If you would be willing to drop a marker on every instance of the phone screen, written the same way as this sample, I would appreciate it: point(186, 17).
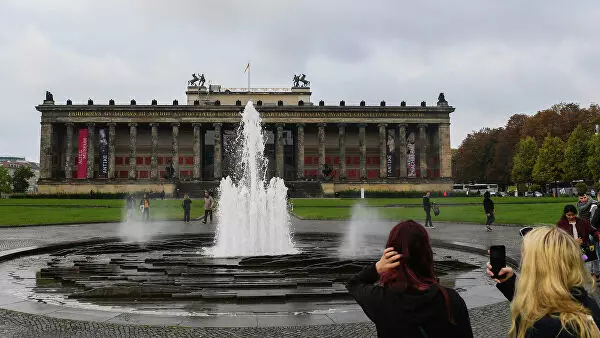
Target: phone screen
point(497, 258)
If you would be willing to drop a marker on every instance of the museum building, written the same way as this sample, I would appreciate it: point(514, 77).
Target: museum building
point(117, 147)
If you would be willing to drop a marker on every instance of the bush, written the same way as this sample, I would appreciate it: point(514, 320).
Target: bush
point(72, 196)
point(392, 194)
point(534, 187)
point(581, 187)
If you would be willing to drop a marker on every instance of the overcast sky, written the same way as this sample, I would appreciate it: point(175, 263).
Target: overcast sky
point(491, 58)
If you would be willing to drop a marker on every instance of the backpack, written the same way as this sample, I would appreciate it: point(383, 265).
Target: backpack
point(436, 210)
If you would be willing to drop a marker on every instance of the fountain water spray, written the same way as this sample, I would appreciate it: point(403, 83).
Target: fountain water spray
point(252, 216)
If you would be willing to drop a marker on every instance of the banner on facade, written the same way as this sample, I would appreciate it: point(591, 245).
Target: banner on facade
point(411, 156)
point(391, 153)
point(103, 170)
point(82, 154)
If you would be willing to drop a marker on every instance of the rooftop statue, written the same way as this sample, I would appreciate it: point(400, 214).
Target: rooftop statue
point(300, 81)
point(49, 96)
point(195, 79)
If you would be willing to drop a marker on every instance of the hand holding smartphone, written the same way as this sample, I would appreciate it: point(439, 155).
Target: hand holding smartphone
point(497, 259)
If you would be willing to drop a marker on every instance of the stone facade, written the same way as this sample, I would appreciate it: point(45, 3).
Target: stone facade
point(302, 138)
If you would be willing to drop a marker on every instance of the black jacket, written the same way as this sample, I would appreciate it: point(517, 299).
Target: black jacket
point(488, 205)
point(186, 204)
point(409, 314)
point(549, 326)
point(426, 203)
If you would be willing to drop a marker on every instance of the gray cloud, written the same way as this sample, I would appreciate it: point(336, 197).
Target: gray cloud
point(491, 58)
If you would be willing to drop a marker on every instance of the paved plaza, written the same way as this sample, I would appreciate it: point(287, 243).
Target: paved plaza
point(27, 319)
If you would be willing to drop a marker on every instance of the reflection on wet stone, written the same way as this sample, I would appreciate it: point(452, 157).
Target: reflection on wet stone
point(174, 273)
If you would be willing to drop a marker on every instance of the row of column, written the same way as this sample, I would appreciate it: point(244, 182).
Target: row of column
point(47, 132)
point(444, 149)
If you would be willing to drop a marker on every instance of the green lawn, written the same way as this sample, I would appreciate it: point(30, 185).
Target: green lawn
point(509, 212)
point(42, 211)
point(348, 202)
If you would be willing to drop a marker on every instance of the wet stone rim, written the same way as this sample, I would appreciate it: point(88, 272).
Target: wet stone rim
point(182, 274)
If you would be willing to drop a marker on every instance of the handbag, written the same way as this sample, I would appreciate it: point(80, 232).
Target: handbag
point(590, 252)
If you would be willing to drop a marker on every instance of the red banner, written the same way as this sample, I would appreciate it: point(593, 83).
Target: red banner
point(82, 154)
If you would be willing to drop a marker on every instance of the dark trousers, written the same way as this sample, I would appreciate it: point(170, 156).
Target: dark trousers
point(490, 219)
point(206, 214)
point(428, 217)
point(146, 214)
point(186, 215)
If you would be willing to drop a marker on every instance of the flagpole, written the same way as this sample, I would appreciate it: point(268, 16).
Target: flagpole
point(249, 70)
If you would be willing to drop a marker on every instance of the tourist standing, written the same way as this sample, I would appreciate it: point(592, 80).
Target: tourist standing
point(427, 208)
point(581, 230)
point(146, 208)
point(549, 299)
point(187, 206)
point(586, 206)
point(401, 294)
point(488, 207)
point(209, 202)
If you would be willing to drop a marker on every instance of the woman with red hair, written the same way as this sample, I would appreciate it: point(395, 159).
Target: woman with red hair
point(401, 294)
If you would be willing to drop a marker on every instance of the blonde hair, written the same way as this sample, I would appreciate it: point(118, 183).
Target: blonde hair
point(551, 266)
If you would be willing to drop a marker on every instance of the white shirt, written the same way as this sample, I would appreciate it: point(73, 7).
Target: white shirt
point(575, 234)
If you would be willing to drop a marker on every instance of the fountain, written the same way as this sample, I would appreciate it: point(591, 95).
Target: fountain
point(252, 215)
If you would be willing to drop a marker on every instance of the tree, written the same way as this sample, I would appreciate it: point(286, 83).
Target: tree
point(548, 165)
point(5, 181)
point(524, 160)
point(576, 153)
point(593, 161)
point(21, 179)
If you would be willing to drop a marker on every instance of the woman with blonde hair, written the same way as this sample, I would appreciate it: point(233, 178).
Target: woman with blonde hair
point(549, 298)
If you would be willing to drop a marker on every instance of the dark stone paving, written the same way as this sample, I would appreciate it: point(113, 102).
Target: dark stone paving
point(487, 321)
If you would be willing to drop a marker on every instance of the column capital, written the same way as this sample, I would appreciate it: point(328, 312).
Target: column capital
point(279, 125)
point(342, 125)
point(69, 124)
point(300, 125)
point(132, 124)
point(175, 124)
point(91, 124)
point(154, 124)
point(422, 125)
point(402, 125)
point(322, 125)
point(382, 125)
point(111, 124)
point(362, 125)
point(217, 124)
point(196, 124)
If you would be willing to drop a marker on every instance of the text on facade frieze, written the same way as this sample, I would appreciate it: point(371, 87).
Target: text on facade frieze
point(307, 115)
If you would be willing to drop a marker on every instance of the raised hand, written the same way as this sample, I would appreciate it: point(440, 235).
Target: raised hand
point(389, 260)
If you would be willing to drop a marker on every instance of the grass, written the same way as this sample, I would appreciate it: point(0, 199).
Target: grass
point(509, 210)
point(348, 202)
point(42, 211)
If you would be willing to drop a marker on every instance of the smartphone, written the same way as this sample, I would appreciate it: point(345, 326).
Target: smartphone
point(497, 258)
point(524, 231)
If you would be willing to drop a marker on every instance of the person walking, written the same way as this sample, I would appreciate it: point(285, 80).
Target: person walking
point(549, 299)
point(488, 207)
point(427, 208)
point(208, 206)
point(587, 207)
point(130, 206)
point(187, 206)
point(146, 208)
point(401, 294)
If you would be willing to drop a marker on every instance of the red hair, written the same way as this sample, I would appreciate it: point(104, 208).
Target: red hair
point(415, 271)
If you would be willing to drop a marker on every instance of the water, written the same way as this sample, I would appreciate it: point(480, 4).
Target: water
point(252, 215)
point(358, 240)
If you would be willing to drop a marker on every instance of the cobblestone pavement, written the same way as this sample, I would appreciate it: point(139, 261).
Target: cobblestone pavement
point(487, 321)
